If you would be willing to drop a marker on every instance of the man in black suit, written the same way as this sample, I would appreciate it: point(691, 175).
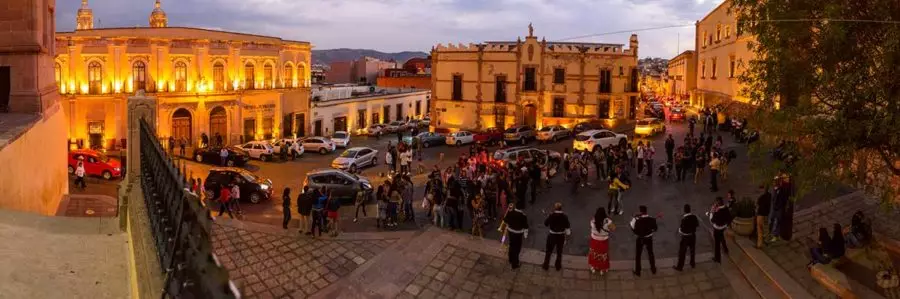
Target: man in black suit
point(687, 230)
point(517, 230)
point(720, 217)
point(643, 227)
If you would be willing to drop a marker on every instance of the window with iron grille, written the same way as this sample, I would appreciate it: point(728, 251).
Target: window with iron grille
point(500, 89)
point(559, 76)
point(605, 81)
point(559, 107)
point(219, 77)
point(180, 76)
point(530, 83)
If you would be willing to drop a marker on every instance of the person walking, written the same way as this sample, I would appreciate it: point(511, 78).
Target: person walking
point(304, 208)
point(286, 207)
point(534, 172)
point(763, 205)
point(235, 202)
point(670, 149)
point(318, 211)
point(223, 156)
point(598, 253)
point(405, 160)
point(615, 187)
point(171, 145)
point(182, 143)
point(643, 227)
point(521, 189)
point(478, 217)
point(640, 159)
point(687, 229)
point(720, 217)
point(649, 152)
point(691, 123)
point(79, 174)
point(408, 192)
point(360, 202)
point(599, 164)
point(700, 163)
point(332, 206)
point(224, 199)
point(714, 172)
point(516, 230)
point(389, 159)
point(560, 229)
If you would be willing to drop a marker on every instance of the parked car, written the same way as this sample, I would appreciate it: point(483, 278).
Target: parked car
point(95, 164)
point(676, 114)
point(460, 138)
point(520, 134)
point(276, 146)
point(373, 130)
point(253, 189)
point(354, 158)
point(341, 139)
point(428, 139)
point(425, 122)
point(318, 144)
point(553, 133)
point(211, 155)
point(259, 150)
point(589, 140)
point(412, 123)
point(489, 136)
point(342, 184)
point(396, 125)
point(649, 126)
point(594, 124)
point(512, 156)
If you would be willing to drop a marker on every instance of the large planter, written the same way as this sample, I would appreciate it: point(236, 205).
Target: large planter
point(742, 226)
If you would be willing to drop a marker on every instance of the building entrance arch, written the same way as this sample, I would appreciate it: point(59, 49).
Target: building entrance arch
point(218, 124)
point(181, 125)
point(530, 115)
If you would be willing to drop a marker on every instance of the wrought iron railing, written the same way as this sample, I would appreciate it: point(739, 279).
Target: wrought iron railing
point(181, 227)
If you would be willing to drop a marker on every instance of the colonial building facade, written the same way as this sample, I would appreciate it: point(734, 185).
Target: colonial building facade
point(683, 75)
point(354, 108)
point(532, 82)
point(239, 86)
point(722, 55)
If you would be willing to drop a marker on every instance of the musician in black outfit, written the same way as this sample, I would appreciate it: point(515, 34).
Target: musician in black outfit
point(643, 227)
point(687, 230)
point(521, 188)
point(517, 229)
point(558, 223)
point(720, 217)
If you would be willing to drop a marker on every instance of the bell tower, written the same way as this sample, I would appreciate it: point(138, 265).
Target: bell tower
point(158, 17)
point(84, 20)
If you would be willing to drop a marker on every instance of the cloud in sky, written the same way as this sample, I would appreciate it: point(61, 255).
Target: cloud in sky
point(417, 25)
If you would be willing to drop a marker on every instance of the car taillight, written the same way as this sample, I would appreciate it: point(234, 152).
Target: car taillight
point(589, 142)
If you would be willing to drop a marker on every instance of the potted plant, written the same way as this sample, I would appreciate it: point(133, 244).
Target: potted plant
point(743, 211)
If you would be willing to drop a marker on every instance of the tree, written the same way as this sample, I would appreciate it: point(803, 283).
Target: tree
point(825, 76)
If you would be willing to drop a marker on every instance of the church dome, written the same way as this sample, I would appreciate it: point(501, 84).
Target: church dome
point(158, 16)
point(84, 20)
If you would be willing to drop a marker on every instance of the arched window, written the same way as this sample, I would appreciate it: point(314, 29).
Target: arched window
point(180, 76)
point(249, 76)
point(288, 76)
point(95, 77)
point(267, 76)
point(57, 73)
point(301, 75)
point(139, 76)
point(219, 76)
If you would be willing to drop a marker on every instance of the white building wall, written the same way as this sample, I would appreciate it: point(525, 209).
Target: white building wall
point(329, 111)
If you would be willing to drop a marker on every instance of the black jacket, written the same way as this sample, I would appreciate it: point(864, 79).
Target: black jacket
point(644, 226)
point(557, 222)
point(721, 218)
point(670, 145)
point(286, 202)
point(516, 221)
point(764, 204)
point(305, 202)
point(689, 224)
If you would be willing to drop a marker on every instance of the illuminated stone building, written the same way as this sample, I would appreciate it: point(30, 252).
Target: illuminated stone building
point(683, 75)
point(721, 57)
point(532, 82)
point(240, 86)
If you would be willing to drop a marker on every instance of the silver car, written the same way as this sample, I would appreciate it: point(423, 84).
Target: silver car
point(321, 145)
point(354, 158)
point(553, 133)
point(341, 184)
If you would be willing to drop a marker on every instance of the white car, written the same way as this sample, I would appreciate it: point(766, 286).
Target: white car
point(460, 138)
point(276, 146)
point(425, 122)
point(321, 145)
point(354, 158)
point(397, 126)
point(388, 128)
point(553, 133)
point(374, 130)
point(341, 139)
point(259, 150)
point(589, 140)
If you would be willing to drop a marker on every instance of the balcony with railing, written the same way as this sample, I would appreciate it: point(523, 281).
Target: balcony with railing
point(126, 87)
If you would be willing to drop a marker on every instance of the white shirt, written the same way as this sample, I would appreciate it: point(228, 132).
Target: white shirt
point(223, 153)
point(79, 172)
point(603, 233)
point(405, 158)
point(235, 192)
point(388, 158)
point(640, 152)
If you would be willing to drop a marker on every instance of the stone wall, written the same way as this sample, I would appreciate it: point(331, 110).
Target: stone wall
point(33, 168)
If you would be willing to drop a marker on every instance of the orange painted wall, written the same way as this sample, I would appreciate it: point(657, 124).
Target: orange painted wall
point(420, 82)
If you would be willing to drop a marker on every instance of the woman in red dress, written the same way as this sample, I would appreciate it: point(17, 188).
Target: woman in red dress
point(598, 255)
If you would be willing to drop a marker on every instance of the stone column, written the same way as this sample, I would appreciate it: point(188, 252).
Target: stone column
point(139, 106)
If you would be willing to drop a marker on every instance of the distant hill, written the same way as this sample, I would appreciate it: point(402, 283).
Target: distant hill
point(344, 54)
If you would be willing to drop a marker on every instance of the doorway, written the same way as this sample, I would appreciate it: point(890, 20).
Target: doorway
point(218, 123)
point(317, 128)
point(95, 135)
point(300, 121)
point(181, 125)
point(249, 130)
point(5, 88)
point(340, 123)
point(530, 115)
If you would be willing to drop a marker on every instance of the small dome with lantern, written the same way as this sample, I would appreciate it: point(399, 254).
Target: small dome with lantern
point(158, 16)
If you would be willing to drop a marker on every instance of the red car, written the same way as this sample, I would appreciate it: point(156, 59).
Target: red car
point(95, 163)
point(489, 136)
point(676, 114)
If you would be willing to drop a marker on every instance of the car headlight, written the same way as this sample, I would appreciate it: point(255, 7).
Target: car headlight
point(264, 187)
point(366, 185)
point(117, 169)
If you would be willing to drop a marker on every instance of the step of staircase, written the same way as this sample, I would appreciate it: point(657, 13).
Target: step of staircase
point(752, 273)
point(767, 278)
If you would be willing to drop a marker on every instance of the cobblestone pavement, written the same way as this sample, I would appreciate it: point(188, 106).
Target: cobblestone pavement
point(461, 273)
point(794, 255)
point(270, 264)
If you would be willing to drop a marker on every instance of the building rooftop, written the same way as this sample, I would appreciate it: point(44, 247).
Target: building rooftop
point(340, 93)
point(176, 33)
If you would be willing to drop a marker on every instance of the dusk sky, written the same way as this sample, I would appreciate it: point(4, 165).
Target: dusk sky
point(417, 25)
